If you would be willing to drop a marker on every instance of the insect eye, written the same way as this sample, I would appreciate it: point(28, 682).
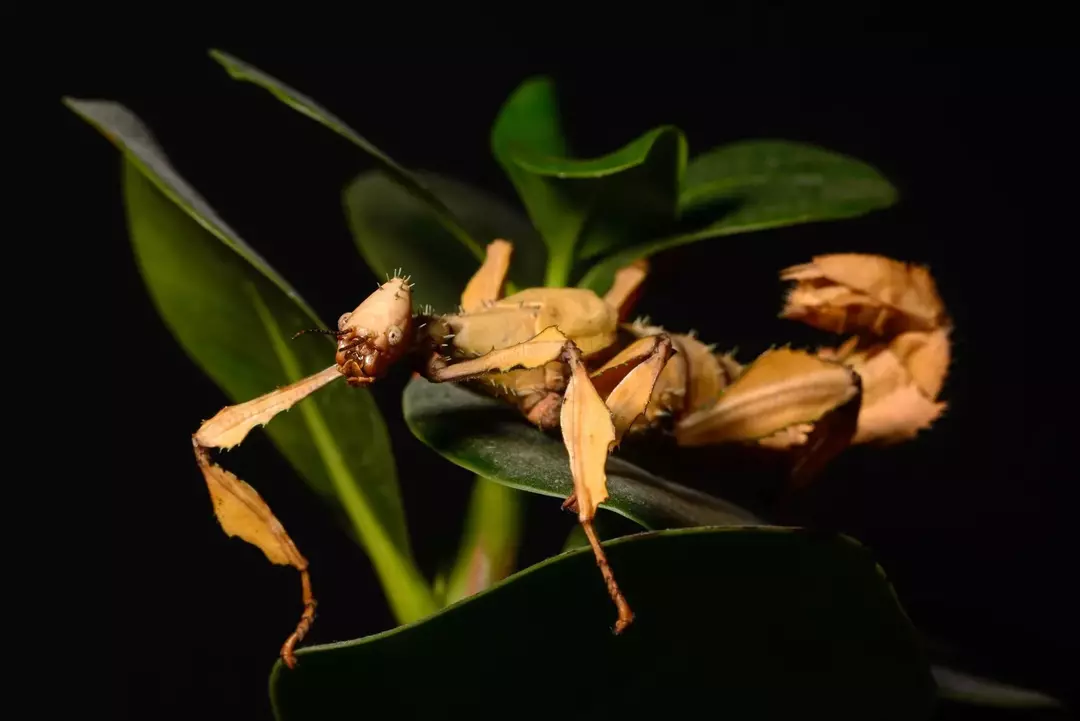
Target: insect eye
point(394, 335)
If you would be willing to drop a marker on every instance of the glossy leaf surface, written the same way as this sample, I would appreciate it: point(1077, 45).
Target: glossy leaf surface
point(740, 623)
point(583, 207)
point(393, 229)
point(491, 439)
point(756, 185)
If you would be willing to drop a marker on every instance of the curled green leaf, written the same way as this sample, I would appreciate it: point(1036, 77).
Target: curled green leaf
point(583, 207)
point(757, 185)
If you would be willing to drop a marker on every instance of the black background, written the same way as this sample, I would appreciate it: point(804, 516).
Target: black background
point(969, 521)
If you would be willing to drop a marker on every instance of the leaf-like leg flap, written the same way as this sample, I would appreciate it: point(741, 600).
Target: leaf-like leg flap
point(825, 440)
point(486, 285)
point(589, 435)
point(630, 398)
point(630, 379)
point(608, 376)
point(782, 388)
point(626, 287)
point(545, 347)
point(239, 508)
point(232, 424)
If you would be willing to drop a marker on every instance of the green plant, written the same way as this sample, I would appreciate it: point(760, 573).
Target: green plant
point(837, 638)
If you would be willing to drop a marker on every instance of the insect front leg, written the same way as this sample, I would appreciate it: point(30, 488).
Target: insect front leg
point(239, 508)
point(486, 285)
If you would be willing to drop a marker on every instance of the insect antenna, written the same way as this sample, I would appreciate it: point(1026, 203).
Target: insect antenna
point(316, 330)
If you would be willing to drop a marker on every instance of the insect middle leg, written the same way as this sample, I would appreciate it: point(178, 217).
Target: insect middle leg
point(627, 382)
point(592, 425)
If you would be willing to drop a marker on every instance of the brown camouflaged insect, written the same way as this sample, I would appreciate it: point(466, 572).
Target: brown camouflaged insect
point(567, 358)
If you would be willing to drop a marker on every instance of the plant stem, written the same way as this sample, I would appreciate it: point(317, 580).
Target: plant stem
point(559, 266)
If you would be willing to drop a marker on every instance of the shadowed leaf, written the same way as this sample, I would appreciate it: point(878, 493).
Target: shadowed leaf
point(408, 180)
point(491, 439)
point(756, 185)
point(963, 687)
point(756, 623)
point(393, 229)
point(489, 545)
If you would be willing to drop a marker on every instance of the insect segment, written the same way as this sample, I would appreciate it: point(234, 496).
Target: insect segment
point(570, 361)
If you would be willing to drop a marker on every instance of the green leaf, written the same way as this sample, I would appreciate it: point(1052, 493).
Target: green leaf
point(738, 623)
point(393, 229)
point(488, 549)
point(233, 315)
point(583, 207)
point(757, 185)
point(240, 70)
point(492, 439)
point(968, 688)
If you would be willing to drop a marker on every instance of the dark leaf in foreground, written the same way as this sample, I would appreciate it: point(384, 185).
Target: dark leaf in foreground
point(748, 623)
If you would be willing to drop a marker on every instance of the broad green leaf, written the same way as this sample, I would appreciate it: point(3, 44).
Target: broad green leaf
point(393, 229)
point(583, 207)
point(408, 180)
point(493, 440)
point(233, 315)
point(964, 687)
point(489, 545)
point(757, 185)
point(735, 623)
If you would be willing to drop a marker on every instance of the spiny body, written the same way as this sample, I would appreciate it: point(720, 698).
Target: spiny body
point(568, 359)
